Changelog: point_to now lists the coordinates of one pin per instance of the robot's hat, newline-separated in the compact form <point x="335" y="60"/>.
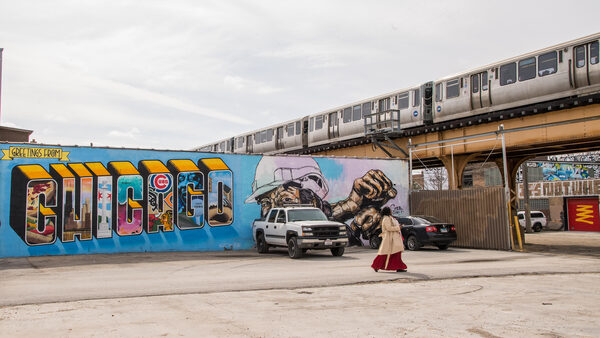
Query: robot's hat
<point x="272" y="171"/>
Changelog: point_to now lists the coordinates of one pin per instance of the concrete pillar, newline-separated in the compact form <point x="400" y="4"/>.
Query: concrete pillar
<point x="513" y="165"/>
<point x="455" y="166"/>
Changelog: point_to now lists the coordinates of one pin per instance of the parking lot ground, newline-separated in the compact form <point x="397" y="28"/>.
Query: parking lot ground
<point x="564" y="242"/>
<point x="455" y="293"/>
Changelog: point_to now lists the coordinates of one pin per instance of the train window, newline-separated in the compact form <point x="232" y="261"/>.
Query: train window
<point x="269" y="135"/>
<point x="508" y="74"/>
<point x="263" y="136"/>
<point x="594" y="53"/>
<point x="290" y="129"/>
<point x="580" y="56"/>
<point x="484" y="81"/>
<point x="356" y="113"/>
<point x="403" y="101"/>
<point x="366" y="108"/>
<point x="438" y="92"/>
<point x="298" y="128"/>
<point x="279" y="133"/>
<point x="547" y="64"/>
<point x="240" y="142"/>
<point x="318" y="122"/>
<point x="452" y="89"/>
<point x="475" y="83"/>
<point x="312" y="123"/>
<point x="416" y="97"/>
<point x="527" y="69"/>
<point x="257" y="138"/>
<point x="347" y="113"/>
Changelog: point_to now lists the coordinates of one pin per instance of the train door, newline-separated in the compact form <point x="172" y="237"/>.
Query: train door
<point x="249" y="144"/>
<point x="305" y="132"/>
<point x="334" y="127"/>
<point x="585" y="66"/>
<point x="279" y="138"/>
<point x="480" y="95"/>
<point x="594" y="64"/>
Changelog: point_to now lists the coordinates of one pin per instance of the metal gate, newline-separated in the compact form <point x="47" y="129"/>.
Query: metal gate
<point x="479" y="215"/>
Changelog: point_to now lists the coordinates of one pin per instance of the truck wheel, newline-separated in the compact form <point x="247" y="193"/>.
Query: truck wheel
<point x="261" y="244"/>
<point x="374" y="242"/>
<point x="412" y="244"/>
<point x="293" y="250"/>
<point x="537" y="227"/>
<point x="337" y="251"/>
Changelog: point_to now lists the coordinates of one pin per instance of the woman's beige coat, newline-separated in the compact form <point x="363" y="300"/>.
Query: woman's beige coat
<point x="391" y="238"/>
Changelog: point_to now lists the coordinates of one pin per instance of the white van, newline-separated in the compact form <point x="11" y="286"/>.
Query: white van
<point x="538" y="220"/>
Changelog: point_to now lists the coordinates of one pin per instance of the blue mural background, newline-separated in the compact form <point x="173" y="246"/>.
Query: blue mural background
<point x="339" y="173"/>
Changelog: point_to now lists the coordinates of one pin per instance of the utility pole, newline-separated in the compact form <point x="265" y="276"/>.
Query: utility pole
<point x="525" y="173"/>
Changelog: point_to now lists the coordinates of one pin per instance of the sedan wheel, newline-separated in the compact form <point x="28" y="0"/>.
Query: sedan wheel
<point x="374" y="242"/>
<point x="412" y="244"/>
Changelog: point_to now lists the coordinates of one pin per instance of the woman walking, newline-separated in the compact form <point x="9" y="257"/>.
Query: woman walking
<point x="389" y="256"/>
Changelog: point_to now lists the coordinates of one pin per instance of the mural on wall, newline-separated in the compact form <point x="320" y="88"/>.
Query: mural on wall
<point x="80" y="200"/>
<point x="357" y="202"/>
<point x="553" y="171"/>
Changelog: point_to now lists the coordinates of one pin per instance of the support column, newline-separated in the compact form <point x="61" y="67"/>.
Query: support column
<point x="455" y="166"/>
<point x="513" y="165"/>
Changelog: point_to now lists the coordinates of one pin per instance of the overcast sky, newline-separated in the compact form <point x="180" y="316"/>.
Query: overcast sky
<point x="178" y="74"/>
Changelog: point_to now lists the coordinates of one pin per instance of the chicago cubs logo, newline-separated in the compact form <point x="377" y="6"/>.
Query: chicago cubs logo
<point x="162" y="182"/>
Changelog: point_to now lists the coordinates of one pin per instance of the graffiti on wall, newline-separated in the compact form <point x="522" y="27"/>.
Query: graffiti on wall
<point x="80" y="200"/>
<point x="561" y="188"/>
<point x="553" y="171"/>
<point x="279" y="181"/>
<point x="85" y="200"/>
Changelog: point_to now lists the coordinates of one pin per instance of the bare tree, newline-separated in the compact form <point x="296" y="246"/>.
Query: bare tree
<point x="436" y="179"/>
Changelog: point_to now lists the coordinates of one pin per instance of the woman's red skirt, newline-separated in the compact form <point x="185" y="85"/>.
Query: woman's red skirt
<point x="395" y="262"/>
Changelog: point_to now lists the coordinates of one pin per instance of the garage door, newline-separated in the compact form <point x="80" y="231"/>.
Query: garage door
<point x="583" y="214"/>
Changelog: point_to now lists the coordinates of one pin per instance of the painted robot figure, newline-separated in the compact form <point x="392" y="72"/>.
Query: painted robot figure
<point x="280" y="180"/>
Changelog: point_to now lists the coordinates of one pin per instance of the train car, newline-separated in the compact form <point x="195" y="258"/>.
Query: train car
<point x="223" y="146"/>
<point x="286" y="136"/>
<point x="244" y="143"/>
<point x="393" y="111"/>
<point x="205" y="148"/>
<point x="563" y="70"/>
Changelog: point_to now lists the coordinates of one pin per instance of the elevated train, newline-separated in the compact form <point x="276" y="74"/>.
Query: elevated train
<point x="569" y="69"/>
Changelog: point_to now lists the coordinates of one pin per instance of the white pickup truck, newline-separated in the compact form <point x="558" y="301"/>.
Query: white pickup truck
<point x="299" y="229"/>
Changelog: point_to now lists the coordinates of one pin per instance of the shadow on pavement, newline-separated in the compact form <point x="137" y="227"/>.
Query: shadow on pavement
<point x="564" y="243"/>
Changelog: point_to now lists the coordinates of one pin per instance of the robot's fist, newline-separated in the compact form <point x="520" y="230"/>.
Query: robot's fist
<point x="375" y="186"/>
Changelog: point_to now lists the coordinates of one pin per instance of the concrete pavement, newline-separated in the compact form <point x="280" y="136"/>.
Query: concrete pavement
<point x="458" y="292"/>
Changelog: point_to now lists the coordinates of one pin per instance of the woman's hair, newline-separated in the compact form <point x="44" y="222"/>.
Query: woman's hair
<point x="386" y="211"/>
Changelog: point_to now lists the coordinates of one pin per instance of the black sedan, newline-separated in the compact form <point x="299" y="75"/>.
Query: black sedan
<point x="426" y="230"/>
